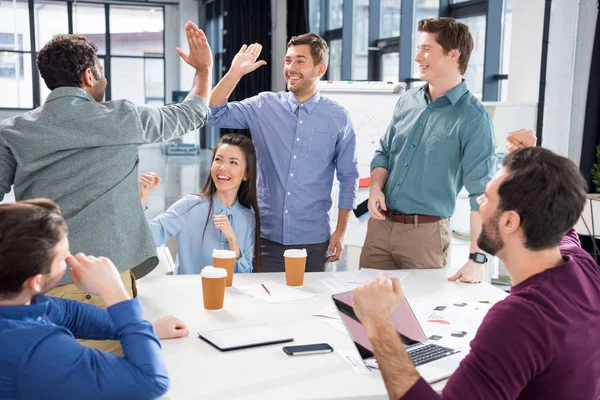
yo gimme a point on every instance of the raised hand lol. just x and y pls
(200, 56)
(148, 182)
(520, 139)
(245, 62)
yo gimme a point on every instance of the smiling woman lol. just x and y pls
(223, 216)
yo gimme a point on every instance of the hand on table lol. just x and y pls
(170, 327)
(471, 272)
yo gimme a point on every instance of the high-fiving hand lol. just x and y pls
(200, 56)
(245, 62)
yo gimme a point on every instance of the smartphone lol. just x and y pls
(307, 349)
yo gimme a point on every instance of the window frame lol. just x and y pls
(36, 95)
(378, 46)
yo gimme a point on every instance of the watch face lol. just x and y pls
(479, 258)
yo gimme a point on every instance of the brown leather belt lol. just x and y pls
(409, 219)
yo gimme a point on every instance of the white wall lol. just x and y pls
(526, 50)
(571, 40)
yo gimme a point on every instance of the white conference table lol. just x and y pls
(199, 371)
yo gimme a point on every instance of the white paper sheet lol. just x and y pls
(278, 293)
(329, 311)
(357, 363)
(356, 278)
(335, 285)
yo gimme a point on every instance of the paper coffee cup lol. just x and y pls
(225, 259)
(213, 287)
(295, 264)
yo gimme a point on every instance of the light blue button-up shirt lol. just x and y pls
(299, 146)
(186, 220)
(431, 149)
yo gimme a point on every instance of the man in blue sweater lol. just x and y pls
(39, 354)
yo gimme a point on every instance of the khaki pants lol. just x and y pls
(72, 292)
(394, 245)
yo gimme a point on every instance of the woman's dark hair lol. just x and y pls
(29, 233)
(62, 60)
(546, 190)
(247, 191)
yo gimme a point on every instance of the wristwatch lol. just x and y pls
(479, 258)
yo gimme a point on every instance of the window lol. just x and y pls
(360, 41)
(423, 9)
(390, 67)
(89, 21)
(51, 19)
(390, 19)
(137, 31)
(314, 17)
(474, 73)
(336, 14)
(15, 55)
(126, 82)
(136, 42)
(335, 60)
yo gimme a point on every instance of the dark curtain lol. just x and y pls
(591, 128)
(297, 18)
(247, 22)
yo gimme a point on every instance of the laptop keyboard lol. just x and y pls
(429, 353)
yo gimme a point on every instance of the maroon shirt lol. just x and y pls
(541, 342)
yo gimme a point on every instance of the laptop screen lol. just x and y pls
(408, 328)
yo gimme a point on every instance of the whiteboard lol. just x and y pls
(371, 107)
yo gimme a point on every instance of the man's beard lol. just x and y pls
(489, 239)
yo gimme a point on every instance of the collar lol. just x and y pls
(68, 91)
(220, 209)
(34, 312)
(453, 95)
(309, 104)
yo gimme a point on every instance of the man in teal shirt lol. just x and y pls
(439, 139)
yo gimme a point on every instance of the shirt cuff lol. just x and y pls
(379, 161)
(421, 391)
(473, 203)
(215, 109)
(125, 313)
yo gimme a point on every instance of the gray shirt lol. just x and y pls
(84, 155)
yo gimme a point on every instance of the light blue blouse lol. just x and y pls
(186, 220)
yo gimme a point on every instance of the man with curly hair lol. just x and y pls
(83, 153)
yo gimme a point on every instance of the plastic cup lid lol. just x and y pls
(212, 272)
(295, 253)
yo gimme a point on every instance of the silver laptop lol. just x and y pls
(433, 362)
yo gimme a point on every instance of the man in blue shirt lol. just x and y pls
(40, 357)
(440, 138)
(301, 139)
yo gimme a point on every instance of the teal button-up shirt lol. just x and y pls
(431, 149)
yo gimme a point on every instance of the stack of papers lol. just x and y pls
(277, 293)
